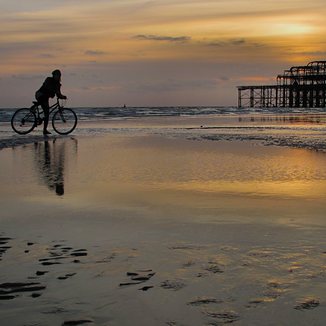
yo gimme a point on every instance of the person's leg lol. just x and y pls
(46, 110)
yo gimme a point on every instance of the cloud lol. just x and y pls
(233, 42)
(26, 77)
(95, 52)
(46, 55)
(313, 53)
(237, 42)
(150, 37)
(224, 78)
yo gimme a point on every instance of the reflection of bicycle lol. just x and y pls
(64, 120)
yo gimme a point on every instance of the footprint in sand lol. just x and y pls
(216, 317)
(139, 277)
(77, 322)
(59, 252)
(307, 304)
(79, 253)
(224, 317)
(214, 268)
(146, 288)
(66, 276)
(4, 245)
(107, 259)
(274, 289)
(174, 285)
(10, 291)
(4, 240)
(204, 301)
(41, 273)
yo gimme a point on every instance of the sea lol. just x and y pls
(293, 127)
(104, 113)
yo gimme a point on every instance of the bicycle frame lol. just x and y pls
(39, 110)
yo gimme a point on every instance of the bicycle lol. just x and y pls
(64, 120)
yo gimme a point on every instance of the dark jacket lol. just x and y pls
(50, 88)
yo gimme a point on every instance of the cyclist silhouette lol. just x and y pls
(50, 88)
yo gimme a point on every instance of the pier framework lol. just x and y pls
(300, 86)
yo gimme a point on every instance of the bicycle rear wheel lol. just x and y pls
(64, 121)
(23, 121)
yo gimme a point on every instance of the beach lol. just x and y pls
(176, 220)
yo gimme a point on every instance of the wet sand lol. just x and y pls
(143, 229)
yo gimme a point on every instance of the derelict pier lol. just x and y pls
(300, 86)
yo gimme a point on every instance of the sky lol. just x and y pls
(154, 52)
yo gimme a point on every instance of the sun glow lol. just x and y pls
(292, 29)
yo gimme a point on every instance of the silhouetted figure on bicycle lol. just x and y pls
(50, 88)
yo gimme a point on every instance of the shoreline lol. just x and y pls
(267, 130)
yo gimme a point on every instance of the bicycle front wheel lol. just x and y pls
(23, 121)
(64, 121)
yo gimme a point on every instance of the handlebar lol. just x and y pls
(61, 101)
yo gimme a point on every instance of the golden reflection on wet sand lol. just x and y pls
(151, 171)
(173, 231)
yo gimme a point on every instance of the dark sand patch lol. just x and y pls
(307, 304)
(6, 289)
(138, 277)
(174, 285)
(204, 301)
(77, 322)
(224, 317)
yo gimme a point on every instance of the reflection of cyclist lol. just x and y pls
(51, 160)
(50, 88)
